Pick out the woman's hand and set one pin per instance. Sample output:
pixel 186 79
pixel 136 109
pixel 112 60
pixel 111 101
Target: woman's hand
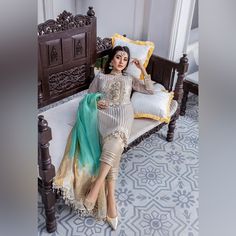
pixel 139 65
pixel 102 104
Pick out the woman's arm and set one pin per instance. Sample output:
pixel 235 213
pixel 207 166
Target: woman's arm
pixel 140 86
pixel 143 87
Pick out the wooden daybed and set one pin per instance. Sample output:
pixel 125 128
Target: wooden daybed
pixel 68 50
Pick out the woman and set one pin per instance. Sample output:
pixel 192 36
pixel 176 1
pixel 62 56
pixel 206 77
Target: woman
pixel 115 118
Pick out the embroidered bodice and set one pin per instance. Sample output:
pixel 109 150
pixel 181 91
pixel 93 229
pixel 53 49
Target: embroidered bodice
pixel 116 89
pixel 117 119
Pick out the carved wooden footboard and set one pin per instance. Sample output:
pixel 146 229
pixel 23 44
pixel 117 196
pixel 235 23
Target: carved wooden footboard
pixel 68 50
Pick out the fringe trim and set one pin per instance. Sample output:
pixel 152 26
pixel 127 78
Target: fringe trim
pixel 75 204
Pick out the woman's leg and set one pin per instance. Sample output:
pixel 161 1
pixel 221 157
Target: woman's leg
pixel 111 152
pixel 93 194
pixel 111 200
pixel 111 183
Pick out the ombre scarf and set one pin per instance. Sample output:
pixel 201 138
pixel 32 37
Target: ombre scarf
pixel 80 164
pixel 85 143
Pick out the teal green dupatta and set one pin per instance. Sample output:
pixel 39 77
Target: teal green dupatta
pixel 80 164
pixel 85 135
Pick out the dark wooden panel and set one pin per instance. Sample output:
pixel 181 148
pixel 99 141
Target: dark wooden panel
pixel 162 71
pixel 65 56
pixel 53 53
pixel 79 46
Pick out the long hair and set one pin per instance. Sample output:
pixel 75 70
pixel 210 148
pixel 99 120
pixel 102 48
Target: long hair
pixel 106 69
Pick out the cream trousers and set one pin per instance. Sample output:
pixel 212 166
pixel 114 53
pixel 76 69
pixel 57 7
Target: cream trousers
pixel 112 149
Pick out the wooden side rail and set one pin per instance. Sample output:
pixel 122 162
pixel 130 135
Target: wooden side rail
pixel 47 173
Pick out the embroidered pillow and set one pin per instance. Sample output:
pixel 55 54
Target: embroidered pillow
pixel 141 50
pixel 155 106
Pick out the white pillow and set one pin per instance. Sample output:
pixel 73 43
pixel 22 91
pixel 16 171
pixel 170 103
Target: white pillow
pixel 141 50
pixel 158 86
pixel 155 106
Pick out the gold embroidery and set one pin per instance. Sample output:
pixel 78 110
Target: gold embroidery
pixel 115 90
pixel 118 133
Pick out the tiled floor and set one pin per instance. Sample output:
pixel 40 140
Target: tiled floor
pixel 157 189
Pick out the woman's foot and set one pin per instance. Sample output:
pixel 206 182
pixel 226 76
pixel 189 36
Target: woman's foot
pixel 111 206
pixel 91 197
pixel 112 214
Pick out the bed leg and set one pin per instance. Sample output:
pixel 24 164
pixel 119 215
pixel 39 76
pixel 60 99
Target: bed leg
pixel 183 103
pixel 46 172
pixel 171 129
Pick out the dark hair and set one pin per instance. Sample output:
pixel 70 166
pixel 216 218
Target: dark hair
pixel 106 69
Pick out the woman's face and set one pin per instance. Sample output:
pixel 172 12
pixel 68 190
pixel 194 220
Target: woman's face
pixel 120 60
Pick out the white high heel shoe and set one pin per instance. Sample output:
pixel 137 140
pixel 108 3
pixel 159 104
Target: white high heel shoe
pixel 89 205
pixel 113 222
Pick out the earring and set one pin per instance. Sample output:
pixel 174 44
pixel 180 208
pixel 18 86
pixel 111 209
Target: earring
pixel 110 66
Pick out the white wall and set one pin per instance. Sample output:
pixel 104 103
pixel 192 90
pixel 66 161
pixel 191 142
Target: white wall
pixel 138 19
pixel 123 17
pixel 50 9
pixel 41 14
pixel 146 19
pixel 195 16
pixel 160 25
pixel 60 5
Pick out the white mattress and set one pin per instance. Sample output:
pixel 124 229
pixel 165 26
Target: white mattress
pixel 62 118
pixel 193 77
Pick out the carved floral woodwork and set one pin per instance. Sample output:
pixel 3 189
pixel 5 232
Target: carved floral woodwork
pixel 103 44
pixel 64 22
pixel 66 80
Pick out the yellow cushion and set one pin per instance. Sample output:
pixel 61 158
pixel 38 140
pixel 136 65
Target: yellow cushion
pixel 155 106
pixel 141 50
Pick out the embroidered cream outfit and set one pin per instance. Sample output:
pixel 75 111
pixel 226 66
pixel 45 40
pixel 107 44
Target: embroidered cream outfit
pixel 117 119
pixel 115 124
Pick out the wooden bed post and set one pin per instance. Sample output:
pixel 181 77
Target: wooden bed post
pixel 182 69
pixel 46 172
pixel 183 104
pixel 178 94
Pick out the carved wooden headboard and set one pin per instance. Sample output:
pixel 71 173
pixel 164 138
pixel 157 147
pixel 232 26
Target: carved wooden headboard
pixel 66 51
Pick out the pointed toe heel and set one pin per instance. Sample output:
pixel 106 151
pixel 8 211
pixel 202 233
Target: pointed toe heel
pixel 113 222
pixel 89 205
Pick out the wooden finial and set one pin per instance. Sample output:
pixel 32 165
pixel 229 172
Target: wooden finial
pixel 42 123
pixel 184 58
pixel 91 12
